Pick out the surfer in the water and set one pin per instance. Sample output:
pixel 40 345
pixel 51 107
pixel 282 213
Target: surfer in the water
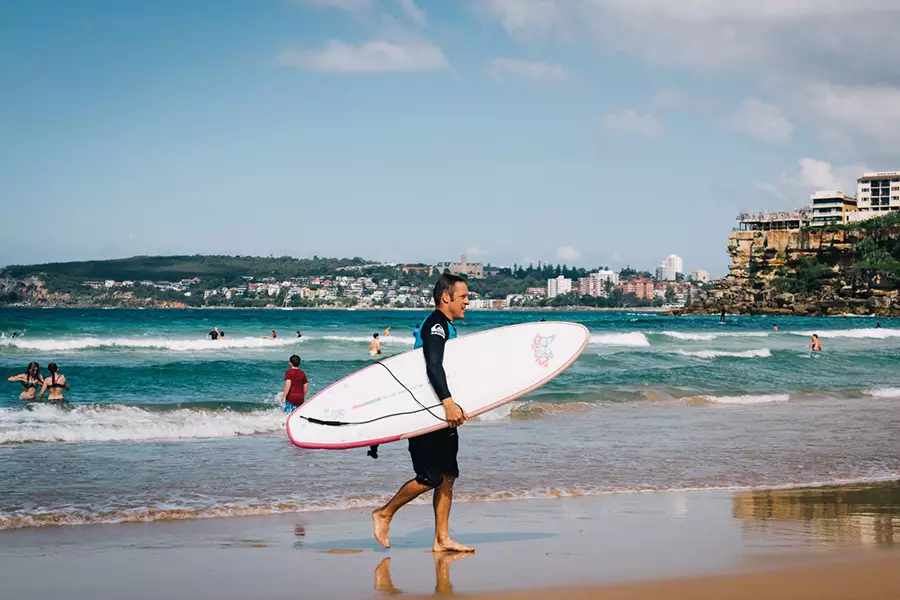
pixel 434 454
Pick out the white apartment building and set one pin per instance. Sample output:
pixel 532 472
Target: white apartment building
pixel 830 207
pixel 669 269
pixel 878 192
pixel 700 275
pixel 595 283
pixel 558 286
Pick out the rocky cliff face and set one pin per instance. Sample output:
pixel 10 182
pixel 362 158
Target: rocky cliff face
pixel 806 271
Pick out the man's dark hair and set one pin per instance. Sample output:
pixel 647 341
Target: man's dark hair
pixel 375 335
pixel 295 361
pixel 445 283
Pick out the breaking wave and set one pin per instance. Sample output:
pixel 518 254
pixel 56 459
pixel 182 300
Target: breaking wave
pixel 705 337
pixel 760 353
pixel 633 339
pixel 140 343
pixel 107 423
pixel 749 399
pixel 878 333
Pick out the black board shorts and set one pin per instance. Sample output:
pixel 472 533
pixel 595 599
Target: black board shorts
pixel 434 456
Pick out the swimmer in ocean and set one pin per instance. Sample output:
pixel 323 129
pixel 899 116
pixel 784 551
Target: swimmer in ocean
pixel 31 380
pixel 214 334
pixel 375 345
pixel 815 345
pixel 54 385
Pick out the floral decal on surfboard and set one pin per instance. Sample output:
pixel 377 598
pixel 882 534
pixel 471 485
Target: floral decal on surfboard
pixel 540 345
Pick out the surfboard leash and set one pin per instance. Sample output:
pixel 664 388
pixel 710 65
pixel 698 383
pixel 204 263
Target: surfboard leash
pixel 399 414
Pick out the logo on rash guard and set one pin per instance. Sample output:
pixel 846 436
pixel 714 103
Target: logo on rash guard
pixel 540 345
pixel 436 329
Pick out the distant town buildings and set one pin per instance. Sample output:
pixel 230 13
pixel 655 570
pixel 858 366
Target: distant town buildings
pixel 830 208
pixel 876 194
pixel 558 286
pixel 670 268
pixel 598 284
pixel 462 268
pixel 641 287
pixel 700 276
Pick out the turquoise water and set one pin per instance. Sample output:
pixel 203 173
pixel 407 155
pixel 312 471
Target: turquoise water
pixel 163 423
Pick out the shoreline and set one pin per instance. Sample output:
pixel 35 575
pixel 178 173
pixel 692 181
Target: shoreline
pixel 679 545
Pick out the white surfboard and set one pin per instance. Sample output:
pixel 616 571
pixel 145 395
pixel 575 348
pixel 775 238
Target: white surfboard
pixel 392 399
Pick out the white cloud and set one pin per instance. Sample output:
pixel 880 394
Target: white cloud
pixel 476 252
pixel 813 175
pixel 523 18
pixel 568 253
pixel 373 57
pixel 503 68
pixel 629 122
pixel 868 112
pixel 762 121
pixel 411 10
pixel 615 258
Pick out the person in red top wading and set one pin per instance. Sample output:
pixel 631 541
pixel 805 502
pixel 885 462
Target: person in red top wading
pixel 295 385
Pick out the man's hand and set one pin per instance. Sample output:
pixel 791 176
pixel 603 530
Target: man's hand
pixel 456 416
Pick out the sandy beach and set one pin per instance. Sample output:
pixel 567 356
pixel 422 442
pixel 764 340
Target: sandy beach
pixel 827 542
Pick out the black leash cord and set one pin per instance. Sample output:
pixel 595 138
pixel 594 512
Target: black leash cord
pixel 400 414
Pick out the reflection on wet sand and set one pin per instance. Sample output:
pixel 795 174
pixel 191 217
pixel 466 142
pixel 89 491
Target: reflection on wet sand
pixel 442 585
pixel 864 515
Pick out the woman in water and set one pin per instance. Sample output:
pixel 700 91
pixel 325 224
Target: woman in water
pixel 31 380
pixel 815 345
pixel 56 383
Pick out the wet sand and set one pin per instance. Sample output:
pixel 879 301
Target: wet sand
pixel 836 543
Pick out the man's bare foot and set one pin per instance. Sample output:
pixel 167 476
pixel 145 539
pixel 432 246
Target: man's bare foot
pixel 380 525
pixel 448 545
pixel 383 581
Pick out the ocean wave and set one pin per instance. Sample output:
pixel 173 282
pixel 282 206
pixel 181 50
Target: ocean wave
pixel 759 353
pixel 391 339
pixel 633 339
pixel 879 333
pixel 114 423
pixel 748 399
pixel 140 343
pixel 890 392
pixel 171 511
pixel 705 337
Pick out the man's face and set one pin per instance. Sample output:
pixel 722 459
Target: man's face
pixel 458 303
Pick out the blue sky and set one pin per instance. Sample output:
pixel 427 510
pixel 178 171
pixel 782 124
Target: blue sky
pixel 589 132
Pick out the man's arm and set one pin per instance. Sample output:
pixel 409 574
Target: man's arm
pixel 433 348
pixel 287 389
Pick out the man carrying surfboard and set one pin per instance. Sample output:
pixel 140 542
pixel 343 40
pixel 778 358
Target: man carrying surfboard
pixel 434 454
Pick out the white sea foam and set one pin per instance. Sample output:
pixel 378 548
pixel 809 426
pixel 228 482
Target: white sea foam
pixel 705 337
pixel 105 423
pixel 890 392
pixel 759 353
pixel 761 399
pixel 634 339
pixel 501 413
pixel 391 339
pixel 879 333
pixel 145 343
pixel 174 511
